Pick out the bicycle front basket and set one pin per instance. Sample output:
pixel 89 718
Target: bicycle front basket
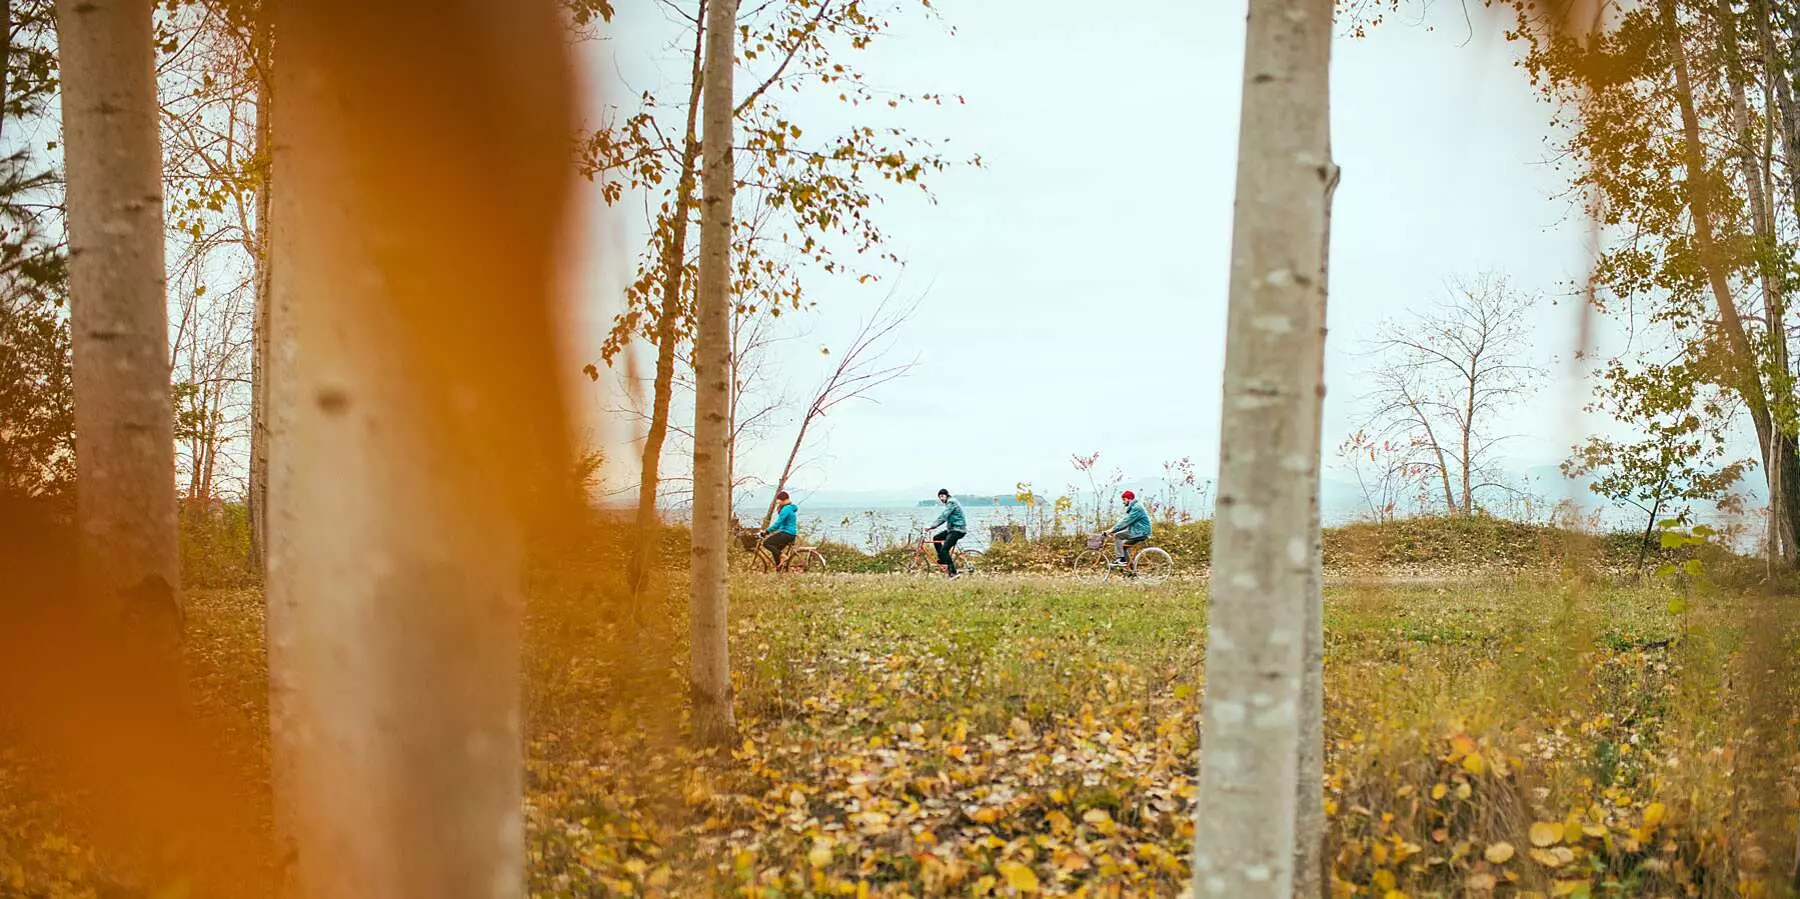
pixel 1095 541
pixel 749 539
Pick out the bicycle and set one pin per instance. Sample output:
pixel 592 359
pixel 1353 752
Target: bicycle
pixel 797 558
pixel 1146 564
pixel 924 558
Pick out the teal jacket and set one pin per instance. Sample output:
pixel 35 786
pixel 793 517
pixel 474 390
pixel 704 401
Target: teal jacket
pixel 1136 522
pixel 787 521
pixel 952 519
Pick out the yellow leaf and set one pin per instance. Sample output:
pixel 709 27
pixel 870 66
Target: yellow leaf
pixel 1546 833
pixel 1554 857
pixel 986 815
pixel 1463 790
pixel 1460 745
pixel 1019 877
pixel 1383 879
pixel 1499 853
pixel 1654 814
pixel 1394 894
pixel 1474 763
pixel 820 856
pixel 1439 791
pixel 1482 883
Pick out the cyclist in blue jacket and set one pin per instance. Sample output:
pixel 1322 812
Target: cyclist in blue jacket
pixel 1131 530
pixel 956 527
pixel 785 530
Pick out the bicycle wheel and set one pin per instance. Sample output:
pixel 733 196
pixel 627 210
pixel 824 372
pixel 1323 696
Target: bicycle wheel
pixel 918 564
pixel 806 559
pixel 968 562
pixel 1153 566
pixel 1093 564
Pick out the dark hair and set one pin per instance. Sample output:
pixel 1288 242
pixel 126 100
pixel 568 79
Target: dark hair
pixel 781 495
pixel 943 493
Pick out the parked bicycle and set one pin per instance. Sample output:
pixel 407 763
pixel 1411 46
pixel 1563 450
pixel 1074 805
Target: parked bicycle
pixel 1146 564
pixel 924 559
pixel 796 558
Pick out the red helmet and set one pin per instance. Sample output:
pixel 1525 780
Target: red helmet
pixel 1128 495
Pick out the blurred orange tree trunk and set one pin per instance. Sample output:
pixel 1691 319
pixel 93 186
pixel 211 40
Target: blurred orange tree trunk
pixel 421 165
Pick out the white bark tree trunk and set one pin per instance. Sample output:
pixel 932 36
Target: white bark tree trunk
pixel 124 418
pixel 708 596
pixel 1309 822
pixel 260 339
pixel 1265 546
pixel 421 158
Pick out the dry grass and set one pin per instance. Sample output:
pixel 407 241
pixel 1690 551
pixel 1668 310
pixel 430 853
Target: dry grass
pixel 1019 735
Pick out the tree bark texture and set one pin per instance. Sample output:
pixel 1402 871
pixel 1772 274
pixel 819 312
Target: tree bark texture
pixel 1310 869
pixel 421 154
pixel 258 499
pixel 124 419
pixel 708 597
pixel 1269 459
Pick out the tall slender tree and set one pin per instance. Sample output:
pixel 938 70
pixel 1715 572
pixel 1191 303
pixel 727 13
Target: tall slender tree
pixel 262 47
pixel 1244 843
pixel 124 432
pixel 709 592
pixel 417 417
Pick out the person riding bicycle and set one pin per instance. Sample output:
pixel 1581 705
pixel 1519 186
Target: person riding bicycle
pixel 785 530
pixel 955 525
pixel 1131 530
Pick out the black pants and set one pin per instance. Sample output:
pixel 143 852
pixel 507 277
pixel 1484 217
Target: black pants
pixel 945 541
pixel 1124 544
pixel 777 542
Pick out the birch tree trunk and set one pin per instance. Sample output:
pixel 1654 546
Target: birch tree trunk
pixel 710 672
pixel 1269 459
pixel 258 499
pixel 1310 872
pixel 124 420
pixel 421 154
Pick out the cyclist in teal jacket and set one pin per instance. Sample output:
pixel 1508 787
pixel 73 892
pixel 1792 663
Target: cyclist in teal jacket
pixel 956 527
pixel 1131 530
pixel 785 530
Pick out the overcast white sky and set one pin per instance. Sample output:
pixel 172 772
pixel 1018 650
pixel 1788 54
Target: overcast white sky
pixel 1091 250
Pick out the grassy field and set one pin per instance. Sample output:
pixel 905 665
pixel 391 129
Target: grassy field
pixel 1019 735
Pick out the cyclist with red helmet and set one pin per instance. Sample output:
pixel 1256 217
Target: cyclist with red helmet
pixel 1131 530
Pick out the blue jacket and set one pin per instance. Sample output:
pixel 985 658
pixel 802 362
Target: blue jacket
pixel 952 519
pixel 1136 522
pixel 787 521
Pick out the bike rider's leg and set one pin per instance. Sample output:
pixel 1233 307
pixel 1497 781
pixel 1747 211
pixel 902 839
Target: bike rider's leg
pixel 1125 550
pixel 941 542
pixel 951 538
pixel 775 543
pixel 1119 547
